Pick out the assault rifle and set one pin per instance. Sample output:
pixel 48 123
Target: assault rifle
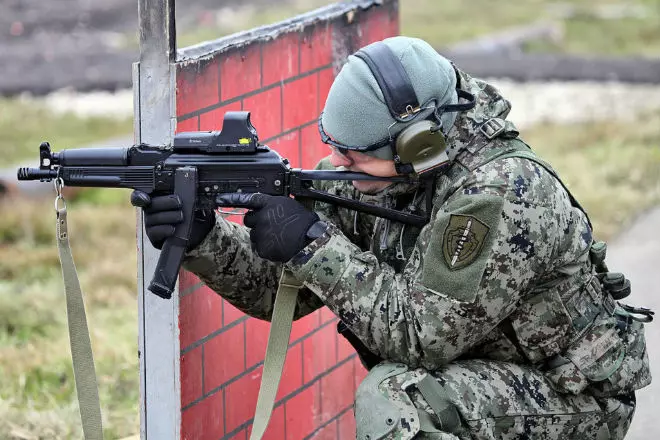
pixel 197 167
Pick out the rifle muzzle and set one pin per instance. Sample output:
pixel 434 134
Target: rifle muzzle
pixel 36 174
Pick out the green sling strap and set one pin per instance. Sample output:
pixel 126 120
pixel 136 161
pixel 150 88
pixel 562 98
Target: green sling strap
pixel 83 359
pixel 278 342
pixel 81 348
pixel 437 399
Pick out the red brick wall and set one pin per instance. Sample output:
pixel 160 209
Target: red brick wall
pixel 283 83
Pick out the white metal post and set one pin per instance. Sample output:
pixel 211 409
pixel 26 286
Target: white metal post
pixel 154 106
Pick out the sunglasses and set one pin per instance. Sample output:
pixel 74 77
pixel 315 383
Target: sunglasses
pixel 343 148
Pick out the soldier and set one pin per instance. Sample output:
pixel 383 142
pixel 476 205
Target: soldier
pixel 497 319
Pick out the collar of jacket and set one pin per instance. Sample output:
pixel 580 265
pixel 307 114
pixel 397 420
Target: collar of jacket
pixel 489 103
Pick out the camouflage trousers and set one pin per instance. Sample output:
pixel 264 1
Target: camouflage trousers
pixel 480 399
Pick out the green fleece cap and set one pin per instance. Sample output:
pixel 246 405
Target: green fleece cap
pixel 355 111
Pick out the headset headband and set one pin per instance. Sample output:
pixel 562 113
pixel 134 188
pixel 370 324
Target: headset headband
pixel 394 82
pixel 392 79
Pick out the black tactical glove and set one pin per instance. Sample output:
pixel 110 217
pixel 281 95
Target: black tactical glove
pixel 278 224
pixel 163 213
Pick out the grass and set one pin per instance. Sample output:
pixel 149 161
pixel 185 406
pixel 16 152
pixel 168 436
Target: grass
pixel 586 35
pixel 451 21
pixel 239 18
pixel 37 393
pixel 611 168
pixel 442 23
pixel 24 125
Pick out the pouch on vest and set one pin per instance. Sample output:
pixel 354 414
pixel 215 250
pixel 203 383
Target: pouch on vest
pixel 542 325
pixel 608 361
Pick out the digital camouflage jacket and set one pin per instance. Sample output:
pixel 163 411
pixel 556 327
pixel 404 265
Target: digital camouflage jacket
pixel 502 270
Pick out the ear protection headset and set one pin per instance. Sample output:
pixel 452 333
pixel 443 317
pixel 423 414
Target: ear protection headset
pixel 421 146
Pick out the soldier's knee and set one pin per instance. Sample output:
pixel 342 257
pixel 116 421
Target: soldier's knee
pixel 388 406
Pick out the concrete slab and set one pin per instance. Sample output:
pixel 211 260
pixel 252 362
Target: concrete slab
pixel 636 253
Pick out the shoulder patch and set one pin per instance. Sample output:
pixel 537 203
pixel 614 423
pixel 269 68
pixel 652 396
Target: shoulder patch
pixel 463 240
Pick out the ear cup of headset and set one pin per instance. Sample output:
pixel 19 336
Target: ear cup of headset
pixel 422 145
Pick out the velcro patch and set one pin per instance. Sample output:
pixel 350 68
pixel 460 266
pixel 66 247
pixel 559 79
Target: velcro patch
pixel 463 240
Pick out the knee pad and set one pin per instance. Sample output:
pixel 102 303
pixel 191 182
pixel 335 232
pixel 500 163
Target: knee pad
pixel 384 408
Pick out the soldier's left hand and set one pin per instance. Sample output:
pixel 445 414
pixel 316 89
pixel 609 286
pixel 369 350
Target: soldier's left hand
pixel 278 224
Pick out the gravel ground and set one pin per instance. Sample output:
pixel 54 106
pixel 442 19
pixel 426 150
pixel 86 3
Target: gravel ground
pixel 576 101
pixel 532 102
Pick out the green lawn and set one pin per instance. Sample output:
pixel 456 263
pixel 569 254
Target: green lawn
pixel 445 22
pixel 24 125
pixel 600 162
pixel 611 167
pixel 442 23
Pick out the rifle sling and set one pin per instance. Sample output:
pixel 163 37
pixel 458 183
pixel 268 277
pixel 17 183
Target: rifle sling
pixel 81 348
pixel 83 358
pixel 278 342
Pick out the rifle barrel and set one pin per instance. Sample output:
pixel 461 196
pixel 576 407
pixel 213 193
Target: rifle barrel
pixel 36 174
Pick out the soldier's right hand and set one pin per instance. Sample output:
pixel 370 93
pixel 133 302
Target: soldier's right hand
pixel 163 213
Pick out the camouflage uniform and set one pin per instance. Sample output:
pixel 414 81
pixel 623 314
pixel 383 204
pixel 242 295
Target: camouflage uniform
pixel 496 298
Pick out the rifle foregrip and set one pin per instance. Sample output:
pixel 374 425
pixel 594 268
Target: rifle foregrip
pixel 174 248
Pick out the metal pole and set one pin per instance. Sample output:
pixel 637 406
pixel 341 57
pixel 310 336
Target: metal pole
pixel 158 341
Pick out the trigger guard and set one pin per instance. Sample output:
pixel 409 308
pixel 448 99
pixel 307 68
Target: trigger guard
pixel 234 200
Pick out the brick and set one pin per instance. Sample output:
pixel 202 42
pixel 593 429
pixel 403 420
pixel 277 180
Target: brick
pixel 304 325
pixel 191 376
pixel 190 124
pixel 256 339
pixel 302 413
pixel 241 398
pixel 280 58
pixel 200 313
pixel 203 421
pixel 337 391
pixel 240 72
pixel 292 373
pixel 346 425
pixel 320 352
pixel 300 102
pixel 276 425
pixel 316 48
pixel 360 372
pixel 212 120
pixel 224 357
pixel 240 435
pixel 326 78
pixel 288 146
pixel 266 112
pixel 312 149
pixel 187 281
pixel 379 24
pixel 230 313
pixel 328 432
pixel 344 348
pixel 235 218
pixel 196 86
pixel 327 315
